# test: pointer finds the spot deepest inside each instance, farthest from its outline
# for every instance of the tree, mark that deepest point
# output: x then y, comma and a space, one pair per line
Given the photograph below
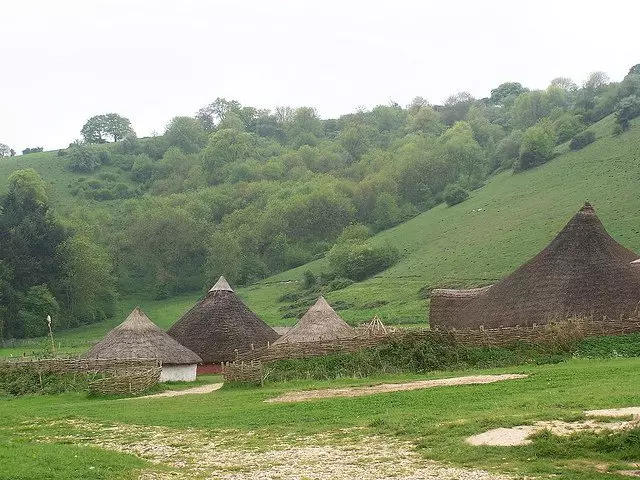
87, 282
107, 127
628, 109
225, 147
186, 133
529, 108
537, 146
210, 115
463, 151
567, 126
425, 121
5, 151
27, 151
455, 107
506, 93
39, 302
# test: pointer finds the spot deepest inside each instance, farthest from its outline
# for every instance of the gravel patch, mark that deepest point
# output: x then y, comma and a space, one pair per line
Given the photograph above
235, 455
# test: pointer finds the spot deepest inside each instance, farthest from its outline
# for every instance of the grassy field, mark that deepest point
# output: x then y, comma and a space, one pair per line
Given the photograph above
56, 437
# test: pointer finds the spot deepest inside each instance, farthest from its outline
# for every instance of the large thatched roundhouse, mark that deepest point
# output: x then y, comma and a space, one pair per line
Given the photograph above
321, 322
220, 324
139, 337
582, 272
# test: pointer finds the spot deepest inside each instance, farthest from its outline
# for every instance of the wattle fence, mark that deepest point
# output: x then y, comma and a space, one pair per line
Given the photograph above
570, 329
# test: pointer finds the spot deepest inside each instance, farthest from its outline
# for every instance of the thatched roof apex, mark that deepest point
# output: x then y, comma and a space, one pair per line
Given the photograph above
219, 324
139, 337
582, 272
221, 284
321, 322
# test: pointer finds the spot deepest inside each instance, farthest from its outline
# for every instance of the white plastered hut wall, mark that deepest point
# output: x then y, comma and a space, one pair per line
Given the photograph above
178, 373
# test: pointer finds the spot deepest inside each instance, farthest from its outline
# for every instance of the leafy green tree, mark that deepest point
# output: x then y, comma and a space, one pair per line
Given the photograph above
356, 140
567, 126
508, 150
225, 147
506, 93
529, 108
87, 282
463, 151
186, 133
537, 146
455, 107
386, 213
628, 109
426, 121
5, 151
104, 128
38, 303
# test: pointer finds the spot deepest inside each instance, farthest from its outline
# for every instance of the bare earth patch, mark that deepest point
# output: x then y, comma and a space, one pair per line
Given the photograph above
614, 412
189, 391
390, 387
508, 437
235, 454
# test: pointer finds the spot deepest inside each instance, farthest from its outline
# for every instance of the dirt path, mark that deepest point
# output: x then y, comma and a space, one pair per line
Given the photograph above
190, 391
509, 437
390, 387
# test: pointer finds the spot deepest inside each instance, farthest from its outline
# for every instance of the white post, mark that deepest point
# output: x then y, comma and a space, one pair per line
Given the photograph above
53, 345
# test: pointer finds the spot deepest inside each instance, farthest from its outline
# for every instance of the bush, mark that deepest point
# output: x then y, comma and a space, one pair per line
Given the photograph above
455, 194
83, 158
339, 283
627, 110
357, 261
567, 126
309, 279
582, 139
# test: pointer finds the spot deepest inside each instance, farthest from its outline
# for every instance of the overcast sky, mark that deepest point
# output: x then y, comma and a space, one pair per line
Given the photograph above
64, 61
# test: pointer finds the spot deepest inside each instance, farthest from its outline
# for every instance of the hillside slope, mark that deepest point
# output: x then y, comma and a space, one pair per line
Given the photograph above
477, 242
484, 238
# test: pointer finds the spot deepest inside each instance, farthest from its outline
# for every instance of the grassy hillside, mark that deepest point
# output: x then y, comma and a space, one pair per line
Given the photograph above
474, 243
484, 238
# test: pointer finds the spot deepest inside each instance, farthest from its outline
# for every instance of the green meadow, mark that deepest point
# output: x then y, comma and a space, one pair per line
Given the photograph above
56, 436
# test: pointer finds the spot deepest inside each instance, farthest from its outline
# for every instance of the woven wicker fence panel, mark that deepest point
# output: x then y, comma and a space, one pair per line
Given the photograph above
132, 381
77, 365
572, 329
249, 372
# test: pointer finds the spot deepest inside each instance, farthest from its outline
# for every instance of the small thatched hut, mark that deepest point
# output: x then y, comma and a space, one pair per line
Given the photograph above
321, 322
582, 272
220, 324
139, 337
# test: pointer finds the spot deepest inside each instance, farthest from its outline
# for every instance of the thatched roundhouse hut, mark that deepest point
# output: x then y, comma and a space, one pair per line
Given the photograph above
321, 322
139, 337
220, 324
582, 272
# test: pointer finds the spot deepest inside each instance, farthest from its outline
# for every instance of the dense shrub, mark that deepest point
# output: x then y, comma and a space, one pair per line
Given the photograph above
357, 261
83, 158
455, 194
582, 139
627, 110
567, 126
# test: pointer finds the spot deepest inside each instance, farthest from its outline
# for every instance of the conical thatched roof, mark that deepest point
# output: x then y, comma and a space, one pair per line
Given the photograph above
321, 322
219, 324
139, 337
582, 272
